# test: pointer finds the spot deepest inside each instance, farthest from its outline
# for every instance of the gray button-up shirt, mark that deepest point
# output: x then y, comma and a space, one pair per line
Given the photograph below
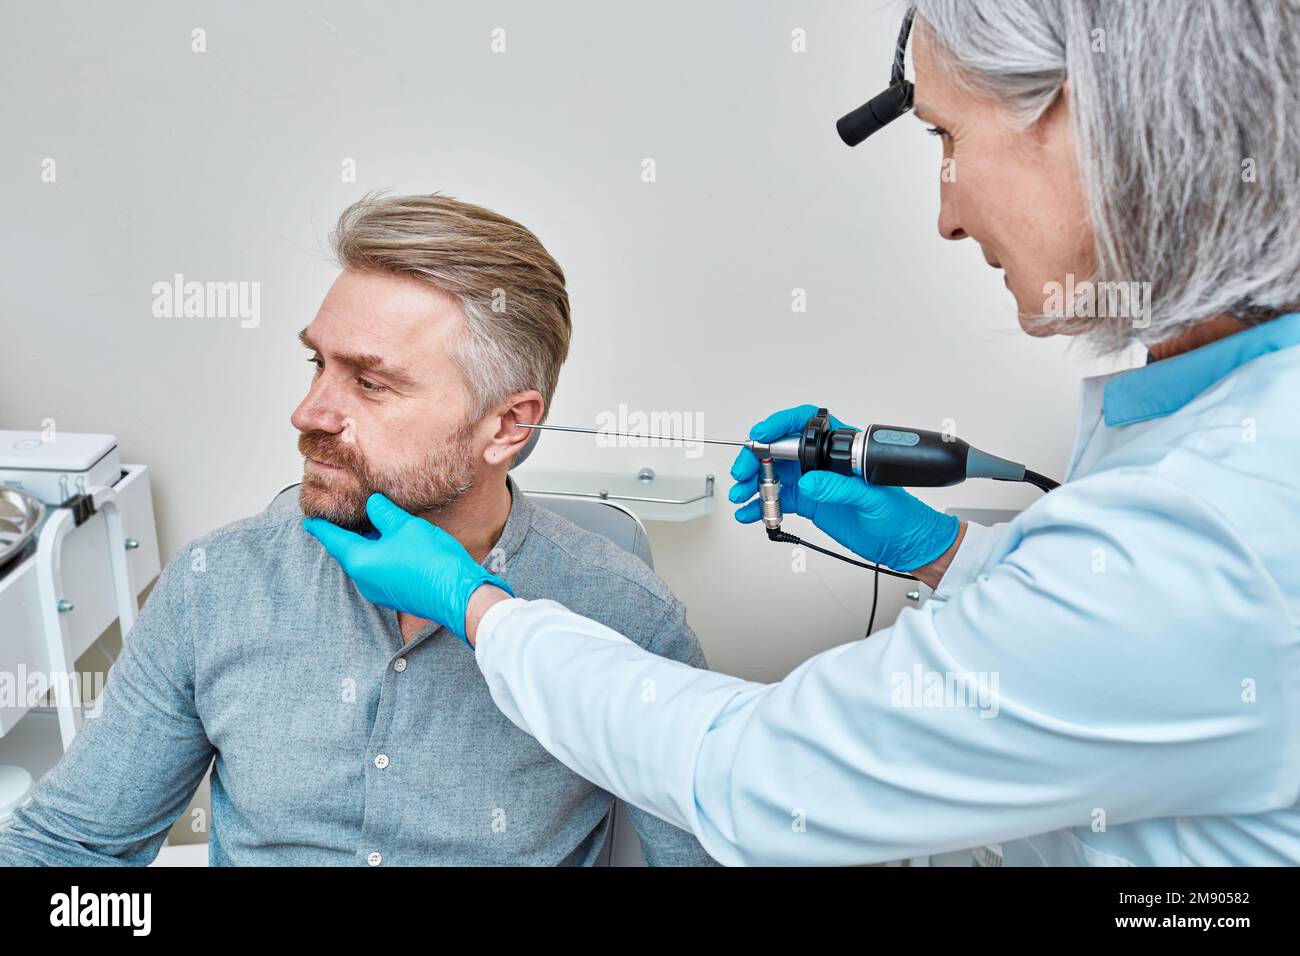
334, 742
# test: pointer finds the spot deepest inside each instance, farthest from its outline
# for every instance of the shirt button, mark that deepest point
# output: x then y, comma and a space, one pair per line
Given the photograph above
399, 665
375, 858
381, 761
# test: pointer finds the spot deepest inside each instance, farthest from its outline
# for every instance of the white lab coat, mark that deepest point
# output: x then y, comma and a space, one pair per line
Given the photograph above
1111, 678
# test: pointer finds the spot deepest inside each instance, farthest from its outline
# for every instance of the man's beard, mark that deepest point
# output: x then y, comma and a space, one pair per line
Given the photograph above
444, 475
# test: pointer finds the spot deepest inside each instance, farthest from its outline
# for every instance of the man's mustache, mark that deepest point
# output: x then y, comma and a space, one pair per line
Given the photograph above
327, 448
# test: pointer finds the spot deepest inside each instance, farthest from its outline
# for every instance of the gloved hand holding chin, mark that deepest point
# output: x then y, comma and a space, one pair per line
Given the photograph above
410, 566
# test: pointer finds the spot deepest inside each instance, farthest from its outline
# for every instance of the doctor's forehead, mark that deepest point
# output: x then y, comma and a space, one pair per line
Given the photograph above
936, 101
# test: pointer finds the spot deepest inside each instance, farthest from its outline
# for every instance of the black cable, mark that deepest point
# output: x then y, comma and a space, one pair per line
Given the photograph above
787, 538
875, 597
1041, 482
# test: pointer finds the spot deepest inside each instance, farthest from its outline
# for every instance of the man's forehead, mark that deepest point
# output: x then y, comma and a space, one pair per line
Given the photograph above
400, 309
373, 320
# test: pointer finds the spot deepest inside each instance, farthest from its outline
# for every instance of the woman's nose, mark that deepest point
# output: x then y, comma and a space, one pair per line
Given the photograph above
950, 226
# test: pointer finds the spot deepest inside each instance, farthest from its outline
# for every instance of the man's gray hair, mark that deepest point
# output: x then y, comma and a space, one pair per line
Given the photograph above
510, 290
1186, 119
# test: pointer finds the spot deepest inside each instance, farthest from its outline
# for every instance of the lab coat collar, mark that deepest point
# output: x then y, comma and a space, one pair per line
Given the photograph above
1159, 388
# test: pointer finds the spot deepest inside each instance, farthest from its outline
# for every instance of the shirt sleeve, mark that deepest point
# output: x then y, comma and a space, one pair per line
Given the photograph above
132, 768
1129, 642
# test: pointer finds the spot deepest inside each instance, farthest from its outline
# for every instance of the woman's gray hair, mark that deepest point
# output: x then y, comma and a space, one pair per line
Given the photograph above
1186, 118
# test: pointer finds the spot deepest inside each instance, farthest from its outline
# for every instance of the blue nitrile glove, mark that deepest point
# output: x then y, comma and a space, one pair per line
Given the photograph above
411, 566
883, 524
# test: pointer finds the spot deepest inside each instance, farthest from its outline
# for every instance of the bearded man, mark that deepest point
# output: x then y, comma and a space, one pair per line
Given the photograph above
340, 732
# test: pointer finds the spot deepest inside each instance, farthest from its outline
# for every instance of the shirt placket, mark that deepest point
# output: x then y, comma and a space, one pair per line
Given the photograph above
380, 827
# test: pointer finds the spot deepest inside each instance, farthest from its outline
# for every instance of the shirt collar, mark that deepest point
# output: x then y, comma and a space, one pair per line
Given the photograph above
1159, 388
517, 524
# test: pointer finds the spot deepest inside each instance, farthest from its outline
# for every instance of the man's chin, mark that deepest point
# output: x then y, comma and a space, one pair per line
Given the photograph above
343, 509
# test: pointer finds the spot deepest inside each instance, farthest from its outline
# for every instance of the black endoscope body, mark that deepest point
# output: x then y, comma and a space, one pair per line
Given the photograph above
895, 455
888, 455
883, 455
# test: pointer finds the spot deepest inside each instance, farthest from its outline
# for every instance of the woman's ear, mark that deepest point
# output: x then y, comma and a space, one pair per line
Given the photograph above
509, 439
1053, 127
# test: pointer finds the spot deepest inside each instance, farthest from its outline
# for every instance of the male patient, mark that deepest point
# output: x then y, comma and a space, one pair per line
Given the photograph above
343, 732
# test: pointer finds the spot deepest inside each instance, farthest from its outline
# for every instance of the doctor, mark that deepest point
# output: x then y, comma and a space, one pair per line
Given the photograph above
1113, 677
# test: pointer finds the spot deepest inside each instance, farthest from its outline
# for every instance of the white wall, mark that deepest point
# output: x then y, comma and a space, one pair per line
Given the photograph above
226, 165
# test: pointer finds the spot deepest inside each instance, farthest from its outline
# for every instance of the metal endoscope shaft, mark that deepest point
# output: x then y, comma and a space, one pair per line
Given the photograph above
602, 431
787, 448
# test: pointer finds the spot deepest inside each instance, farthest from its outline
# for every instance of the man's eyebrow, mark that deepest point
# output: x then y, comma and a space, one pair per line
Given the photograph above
365, 362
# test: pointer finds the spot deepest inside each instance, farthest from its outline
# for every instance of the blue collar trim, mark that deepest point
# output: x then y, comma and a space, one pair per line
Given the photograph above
1159, 388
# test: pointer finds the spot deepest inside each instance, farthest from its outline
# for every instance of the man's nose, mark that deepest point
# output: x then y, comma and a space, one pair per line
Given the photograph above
317, 412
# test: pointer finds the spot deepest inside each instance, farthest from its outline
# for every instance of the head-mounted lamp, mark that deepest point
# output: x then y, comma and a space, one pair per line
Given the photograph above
886, 107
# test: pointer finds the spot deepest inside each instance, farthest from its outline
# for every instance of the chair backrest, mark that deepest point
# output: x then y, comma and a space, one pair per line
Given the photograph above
604, 517
618, 524
622, 847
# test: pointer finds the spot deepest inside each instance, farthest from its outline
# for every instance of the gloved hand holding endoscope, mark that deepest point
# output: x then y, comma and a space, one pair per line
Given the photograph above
882, 524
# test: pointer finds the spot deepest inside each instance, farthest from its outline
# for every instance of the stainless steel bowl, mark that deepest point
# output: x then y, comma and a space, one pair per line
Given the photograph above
20, 515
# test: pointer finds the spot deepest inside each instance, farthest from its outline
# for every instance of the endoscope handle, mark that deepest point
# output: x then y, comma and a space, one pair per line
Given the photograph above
896, 455
912, 457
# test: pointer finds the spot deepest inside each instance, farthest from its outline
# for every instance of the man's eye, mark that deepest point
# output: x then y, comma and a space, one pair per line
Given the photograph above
369, 386
319, 363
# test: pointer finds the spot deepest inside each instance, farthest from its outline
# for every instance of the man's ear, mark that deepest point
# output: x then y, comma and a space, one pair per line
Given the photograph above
509, 439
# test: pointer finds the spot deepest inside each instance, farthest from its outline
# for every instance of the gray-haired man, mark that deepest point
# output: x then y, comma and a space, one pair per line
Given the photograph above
342, 732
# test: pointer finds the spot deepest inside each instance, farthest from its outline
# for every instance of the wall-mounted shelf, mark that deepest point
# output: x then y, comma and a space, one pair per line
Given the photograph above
649, 496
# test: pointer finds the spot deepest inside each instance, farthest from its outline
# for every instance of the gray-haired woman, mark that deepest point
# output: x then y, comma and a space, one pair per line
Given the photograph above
1113, 677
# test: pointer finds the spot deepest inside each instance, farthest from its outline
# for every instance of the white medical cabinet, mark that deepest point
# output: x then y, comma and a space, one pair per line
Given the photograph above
92, 555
